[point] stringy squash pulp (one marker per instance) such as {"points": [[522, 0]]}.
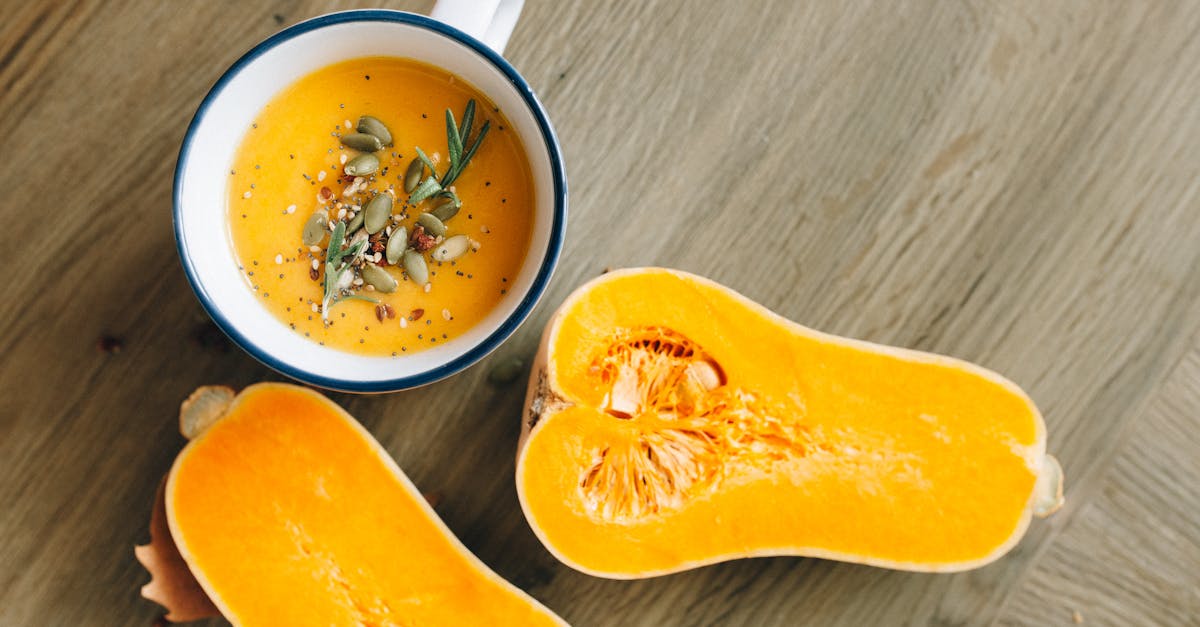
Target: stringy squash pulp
{"points": [[672, 423], [289, 513]]}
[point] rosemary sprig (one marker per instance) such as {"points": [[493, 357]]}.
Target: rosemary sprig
{"points": [[336, 267], [458, 138], [425, 160], [424, 190]]}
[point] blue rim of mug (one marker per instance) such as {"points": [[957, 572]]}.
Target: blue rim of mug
{"points": [[506, 328]]}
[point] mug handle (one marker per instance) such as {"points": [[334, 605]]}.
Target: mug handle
{"points": [[490, 21]]}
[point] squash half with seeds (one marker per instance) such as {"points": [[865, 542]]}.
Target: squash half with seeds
{"points": [[671, 422]]}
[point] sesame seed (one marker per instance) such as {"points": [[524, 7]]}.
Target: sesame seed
{"points": [[314, 249], [278, 259], [403, 322], [246, 195], [316, 265], [321, 175], [484, 229], [446, 314], [291, 209], [315, 308], [343, 159], [428, 286], [347, 124]]}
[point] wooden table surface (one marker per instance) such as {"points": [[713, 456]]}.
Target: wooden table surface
{"points": [[1014, 183]]}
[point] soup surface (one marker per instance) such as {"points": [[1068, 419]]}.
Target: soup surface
{"points": [[293, 164]]}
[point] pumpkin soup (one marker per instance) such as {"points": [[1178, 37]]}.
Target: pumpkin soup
{"points": [[380, 206]]}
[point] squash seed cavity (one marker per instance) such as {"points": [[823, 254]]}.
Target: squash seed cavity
{"points": [[690, 428]]}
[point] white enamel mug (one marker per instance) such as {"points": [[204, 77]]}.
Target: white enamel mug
{"points": [[464, 37]]}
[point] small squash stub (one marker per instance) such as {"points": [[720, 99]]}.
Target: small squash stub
{"points": [[202, 408], [1049, 488], [671, 423], [285, 511]]}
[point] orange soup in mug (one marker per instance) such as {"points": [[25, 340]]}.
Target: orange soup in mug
{"points": [[380, 206], [372, 200]]}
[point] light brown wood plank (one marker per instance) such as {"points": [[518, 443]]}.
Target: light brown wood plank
{"points": [[1015, 183]]}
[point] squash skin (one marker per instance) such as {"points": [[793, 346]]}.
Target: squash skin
{"points": [[629, 550], [496, 601]]}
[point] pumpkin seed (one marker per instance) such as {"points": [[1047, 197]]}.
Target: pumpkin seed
{"points": [[362, 141], [446, 209], [415, 266], [412, 177], [397, 242], [355, 223], [379, 278], [314, 229], [372, 126], [362, 165], [377, 212], [506, 371], [432, 224], [452, 248]]}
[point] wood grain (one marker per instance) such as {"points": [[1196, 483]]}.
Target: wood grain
{"points": [[1014, 183]]}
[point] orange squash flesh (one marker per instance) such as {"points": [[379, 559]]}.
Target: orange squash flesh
{"points": [[672, 423], [289, 513]]}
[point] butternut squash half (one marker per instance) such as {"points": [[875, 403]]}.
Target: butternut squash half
{"points": [[288, 512], [671, 422]]}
